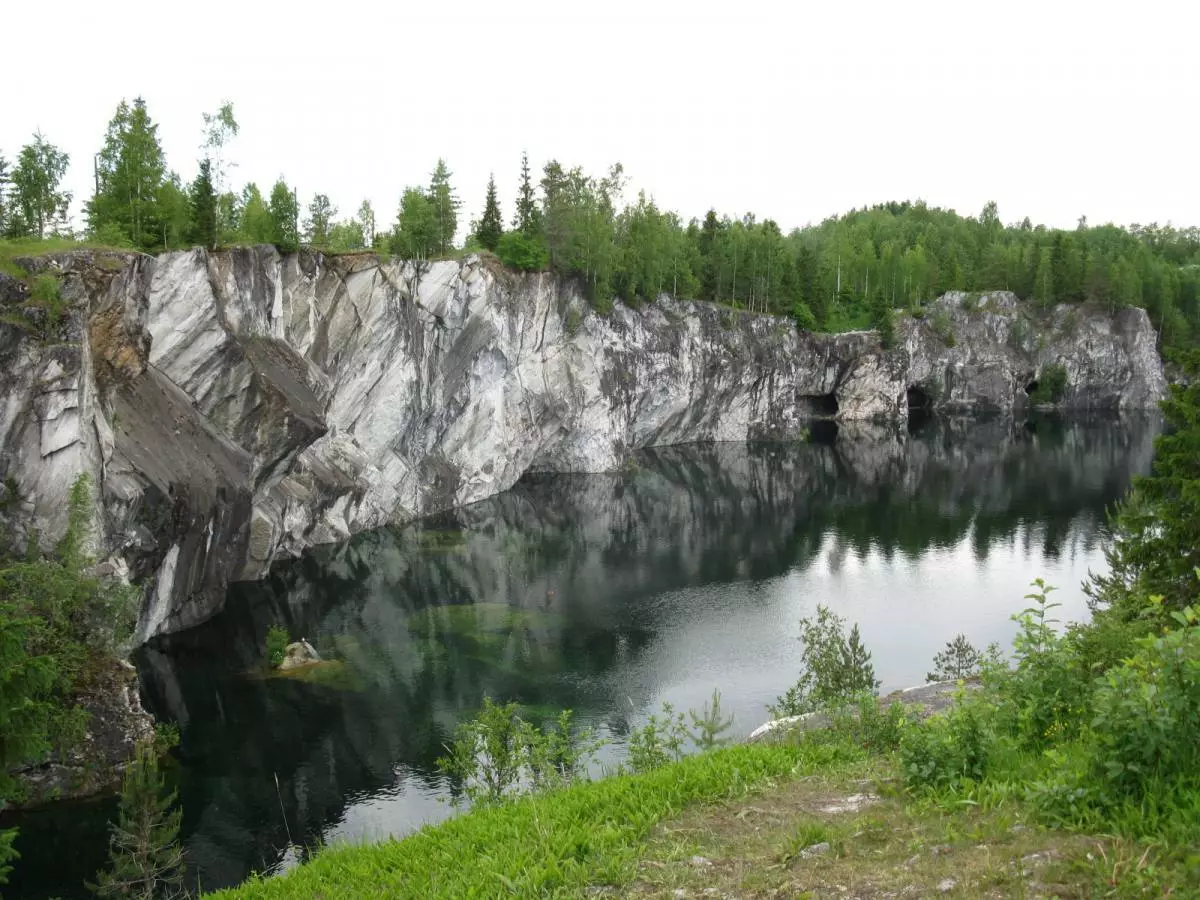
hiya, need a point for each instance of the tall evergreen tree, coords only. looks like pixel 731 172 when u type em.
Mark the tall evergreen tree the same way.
pixel 146 861
pixel 490 224
pixel 445 207
pixel 285 216
pixel 526 218
pixel 4 185
pixel 130 170
pixel 37 200
pixel 710 277
pixel 203 199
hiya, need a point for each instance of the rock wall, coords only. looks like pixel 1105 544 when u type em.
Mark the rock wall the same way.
pixel 236 406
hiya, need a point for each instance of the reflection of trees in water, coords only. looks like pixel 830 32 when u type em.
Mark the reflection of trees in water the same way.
pixel 561 570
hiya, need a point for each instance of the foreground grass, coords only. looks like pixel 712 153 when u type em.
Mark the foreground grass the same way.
pixel 557 845
pixel 789 820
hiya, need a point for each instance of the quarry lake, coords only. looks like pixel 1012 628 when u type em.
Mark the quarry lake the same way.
pixel 608 594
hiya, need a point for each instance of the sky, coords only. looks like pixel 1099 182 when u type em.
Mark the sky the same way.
pixel 792 110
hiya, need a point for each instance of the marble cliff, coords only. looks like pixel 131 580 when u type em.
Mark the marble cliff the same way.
pixel 238 406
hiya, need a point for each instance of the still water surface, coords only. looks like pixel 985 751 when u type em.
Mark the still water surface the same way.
pixel 607 594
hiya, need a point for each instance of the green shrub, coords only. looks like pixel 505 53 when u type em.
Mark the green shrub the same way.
pixel 943 327
pixel 573 321
pixel 526 254
pixel 497 754
pixel 805 320
pixel 1146 712
pixel 872 726
pixel 658 742
pixel 951 748
pixel 1045 695
pixel 277 642
pixel 1051 384
pixel 835 667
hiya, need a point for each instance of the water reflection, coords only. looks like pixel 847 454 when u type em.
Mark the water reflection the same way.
pixel 607 594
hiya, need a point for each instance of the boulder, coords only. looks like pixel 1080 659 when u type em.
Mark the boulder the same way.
pixel 299 653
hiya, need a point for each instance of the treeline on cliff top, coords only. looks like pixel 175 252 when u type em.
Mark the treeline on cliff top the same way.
pixel 847 272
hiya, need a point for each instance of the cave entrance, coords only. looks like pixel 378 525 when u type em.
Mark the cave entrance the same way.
pixel 824 432
pixel 1031 387
pixel 819 406
pixel 918 398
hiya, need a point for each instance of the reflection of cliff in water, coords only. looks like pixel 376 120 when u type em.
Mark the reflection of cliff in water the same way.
pixel 538 593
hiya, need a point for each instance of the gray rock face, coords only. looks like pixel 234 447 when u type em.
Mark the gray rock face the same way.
pixel 236 406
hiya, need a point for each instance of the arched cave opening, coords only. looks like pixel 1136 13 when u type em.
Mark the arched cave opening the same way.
pixel 918 398
pixel 819 406
pixel 1031 387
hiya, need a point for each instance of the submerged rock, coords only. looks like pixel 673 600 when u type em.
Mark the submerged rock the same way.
pixel 236 406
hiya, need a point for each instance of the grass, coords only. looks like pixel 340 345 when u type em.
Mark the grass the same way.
pixel 10 251
pixel 809 818
pixel 554 845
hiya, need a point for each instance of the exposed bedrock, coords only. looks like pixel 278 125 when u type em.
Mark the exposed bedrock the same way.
pixel 236 406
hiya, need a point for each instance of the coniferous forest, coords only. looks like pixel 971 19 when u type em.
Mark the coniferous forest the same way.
pixel 846 272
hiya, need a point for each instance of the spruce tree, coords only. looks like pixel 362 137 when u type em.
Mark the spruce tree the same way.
pixel 146 860
pixel 526 219
pixel 203 201
pixel 1156 533
pixel 490 225
pixel 445 208
pixel 4 182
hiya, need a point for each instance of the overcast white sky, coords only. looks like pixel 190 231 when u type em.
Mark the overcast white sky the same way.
pixel 792 110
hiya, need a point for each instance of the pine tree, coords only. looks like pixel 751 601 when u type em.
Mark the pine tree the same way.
pixel 203 200
pixel 285 214
pixel 526 220
pixel 490 225
pixel 445 208
pixel 130 170
pixel 146 860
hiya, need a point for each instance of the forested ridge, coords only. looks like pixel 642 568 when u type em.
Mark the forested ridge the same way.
pixel 849 271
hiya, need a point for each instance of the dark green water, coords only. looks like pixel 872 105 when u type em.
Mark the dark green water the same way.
pixel 607 594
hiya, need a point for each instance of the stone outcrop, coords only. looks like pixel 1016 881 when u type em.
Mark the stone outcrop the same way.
pixel 116 724
pixel 236 406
